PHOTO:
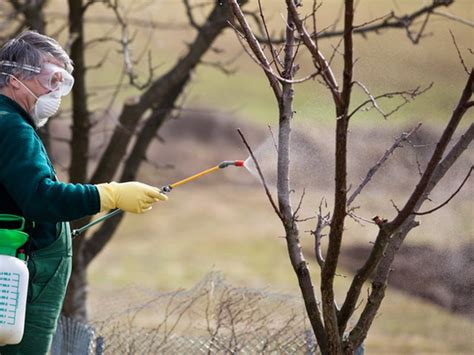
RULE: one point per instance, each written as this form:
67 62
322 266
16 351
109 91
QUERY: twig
449 199
371 98
89 3
273 138
406 95
459 53
418 165
335 51
323 222
272 50
255 46
358 218
316 7
416 40
125 42
455 18
394 205
379 163
392 21
219 66
295 217
380 18
189 13
319 60
262 178
100 63
340 12
256 19
267 65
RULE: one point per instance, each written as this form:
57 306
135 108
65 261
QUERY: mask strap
26 87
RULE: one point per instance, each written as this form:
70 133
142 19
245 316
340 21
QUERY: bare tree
140 118
329 320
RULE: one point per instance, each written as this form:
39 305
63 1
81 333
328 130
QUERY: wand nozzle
227 163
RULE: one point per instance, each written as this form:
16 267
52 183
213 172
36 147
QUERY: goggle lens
53 77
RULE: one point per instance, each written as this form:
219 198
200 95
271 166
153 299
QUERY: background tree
138 122
329 320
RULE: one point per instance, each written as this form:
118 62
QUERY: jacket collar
14 107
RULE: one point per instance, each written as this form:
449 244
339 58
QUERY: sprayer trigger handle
166 189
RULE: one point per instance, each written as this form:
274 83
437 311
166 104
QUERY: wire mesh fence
213 317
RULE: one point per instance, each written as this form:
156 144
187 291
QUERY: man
35 72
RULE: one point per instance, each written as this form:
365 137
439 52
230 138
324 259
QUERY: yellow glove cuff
107 196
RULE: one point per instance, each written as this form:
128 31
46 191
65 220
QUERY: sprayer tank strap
29 227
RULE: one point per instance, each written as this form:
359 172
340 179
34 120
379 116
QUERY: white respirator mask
45 107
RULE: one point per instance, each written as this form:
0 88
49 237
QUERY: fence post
72 337
310 342
99 346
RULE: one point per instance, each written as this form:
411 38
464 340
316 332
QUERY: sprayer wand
224 164
165 189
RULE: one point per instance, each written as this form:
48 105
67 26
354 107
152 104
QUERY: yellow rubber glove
131 196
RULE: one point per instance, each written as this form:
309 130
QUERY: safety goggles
55 78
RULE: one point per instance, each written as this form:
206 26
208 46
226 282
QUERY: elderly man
35 72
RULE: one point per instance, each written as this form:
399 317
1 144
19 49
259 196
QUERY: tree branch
323 222
359 332
260 174
456 117
102 236
255 47
449 199
392 20
454 18
348 55
403 137
318 58
295 252
407 97
189 13
361 276
270 43
340 197
459 52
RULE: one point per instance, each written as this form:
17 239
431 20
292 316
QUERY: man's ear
13 82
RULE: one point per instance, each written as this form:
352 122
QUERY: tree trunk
34 19
75 303
73 306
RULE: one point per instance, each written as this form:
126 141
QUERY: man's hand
131 196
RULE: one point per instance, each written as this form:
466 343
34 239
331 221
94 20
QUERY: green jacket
28 183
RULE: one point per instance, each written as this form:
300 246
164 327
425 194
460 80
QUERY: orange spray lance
165 189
